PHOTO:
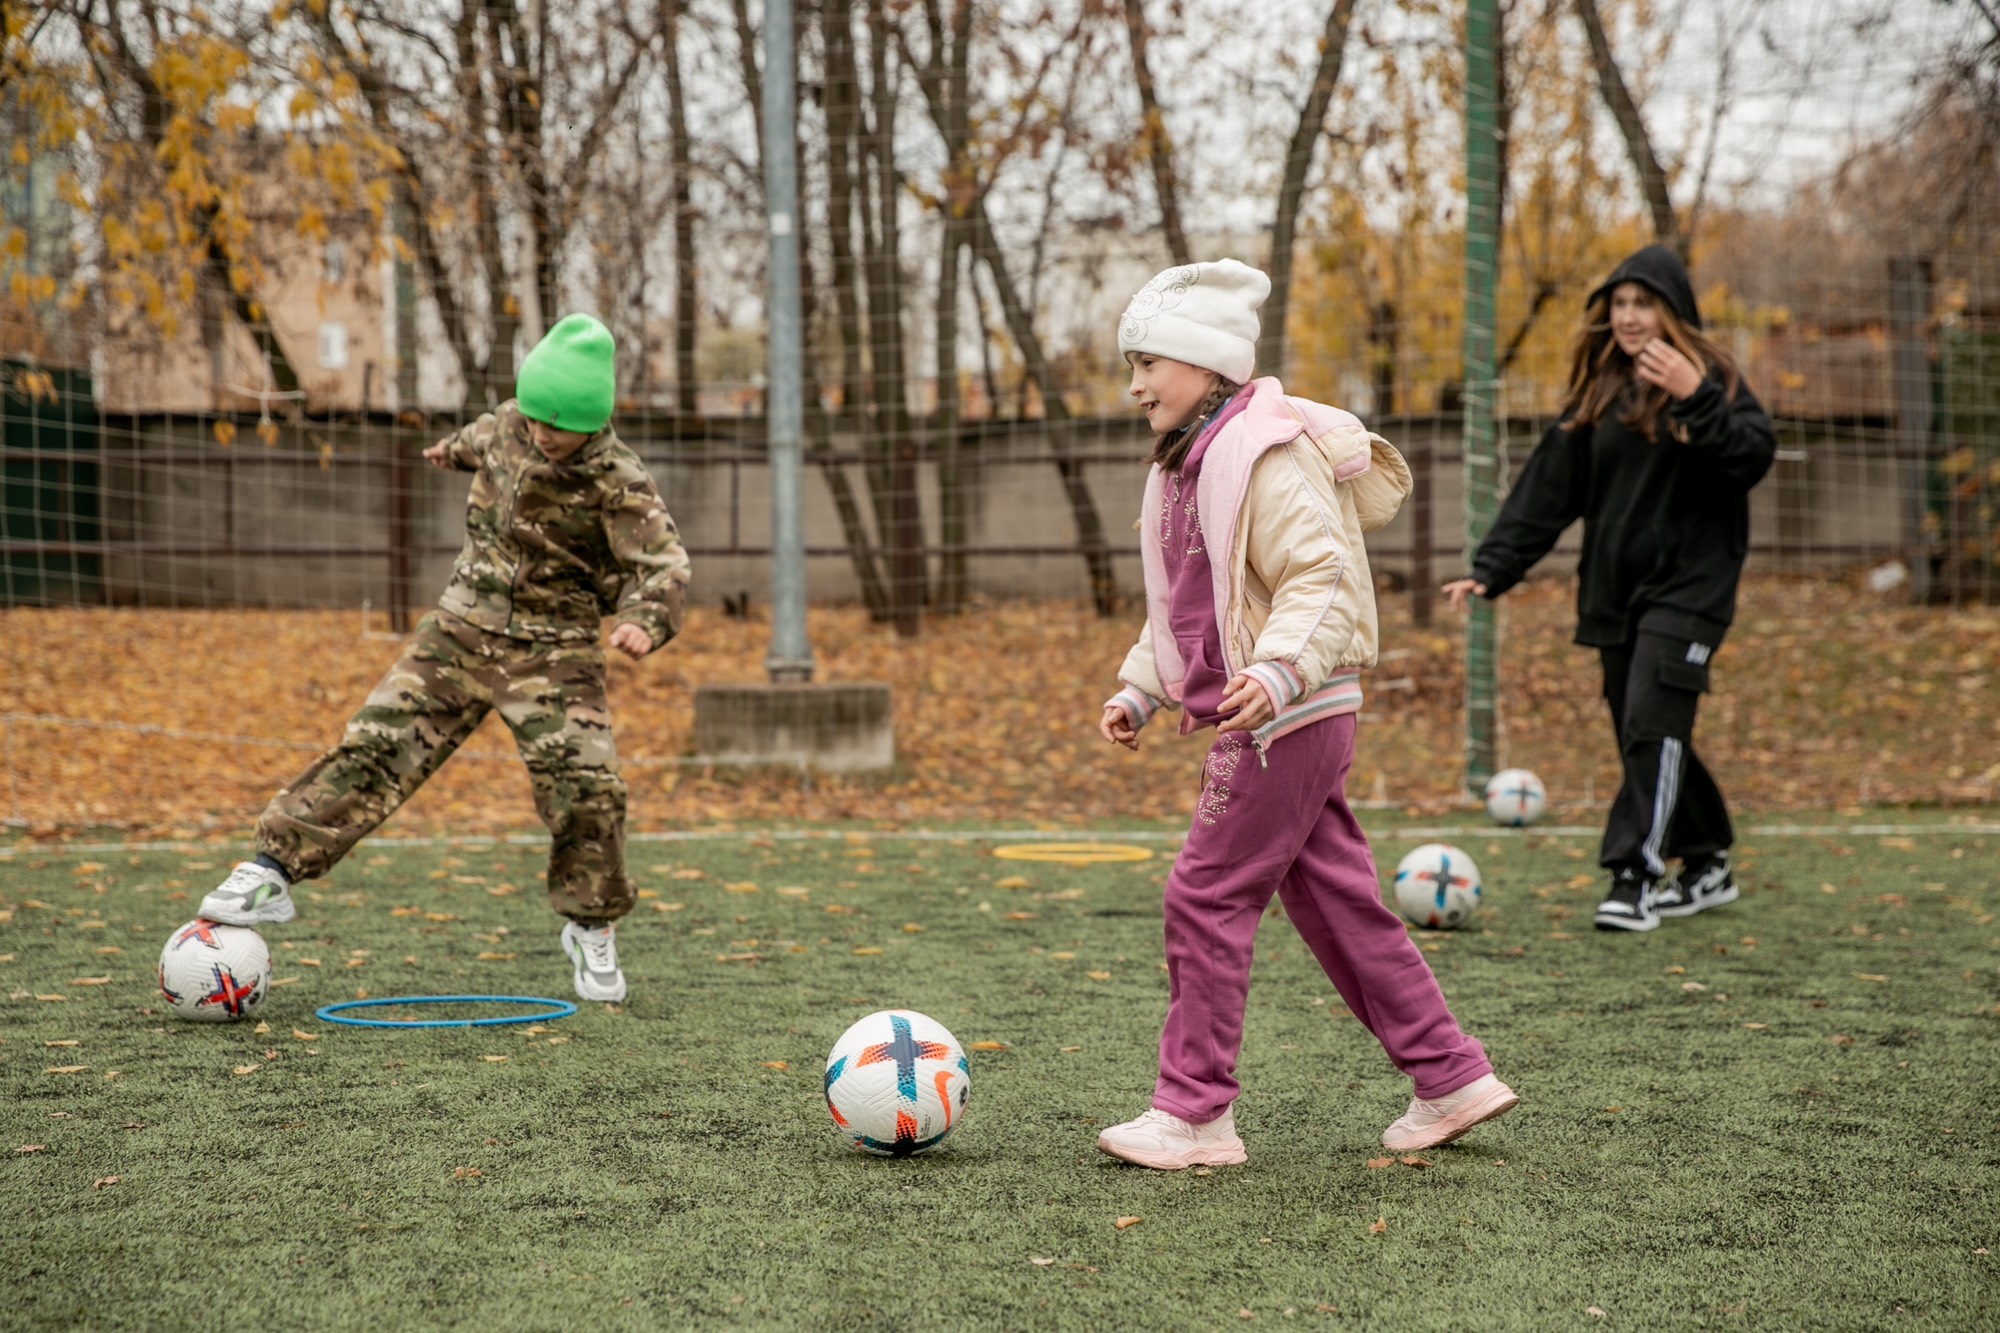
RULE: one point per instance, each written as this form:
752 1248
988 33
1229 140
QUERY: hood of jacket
1660 271
1361 464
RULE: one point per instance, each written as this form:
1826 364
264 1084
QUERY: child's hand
1117 728
1460 590
632 641
1661 363
439 455
1249 706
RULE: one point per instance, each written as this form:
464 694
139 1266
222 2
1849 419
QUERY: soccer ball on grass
896 1083
1515 797
214 973
1437 887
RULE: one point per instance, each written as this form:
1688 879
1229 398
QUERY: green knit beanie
568 380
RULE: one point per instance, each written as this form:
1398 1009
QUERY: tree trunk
1638 145
1291 190
686 311
1021 325
952 70
903 525
1158 144
843 133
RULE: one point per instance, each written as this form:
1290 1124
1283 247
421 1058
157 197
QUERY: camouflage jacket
550 548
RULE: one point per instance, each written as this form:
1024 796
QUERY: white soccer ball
1515 797
1437 887
214 973
896 1083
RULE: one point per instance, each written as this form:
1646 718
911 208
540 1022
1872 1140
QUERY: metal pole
1482 457
791 656
1910 368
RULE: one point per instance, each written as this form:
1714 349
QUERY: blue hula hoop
332 1013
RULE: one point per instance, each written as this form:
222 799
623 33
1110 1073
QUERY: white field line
1422 833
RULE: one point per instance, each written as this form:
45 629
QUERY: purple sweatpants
1287 829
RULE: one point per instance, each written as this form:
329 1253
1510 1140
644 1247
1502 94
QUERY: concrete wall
321 496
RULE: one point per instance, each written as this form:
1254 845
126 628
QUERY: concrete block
843 728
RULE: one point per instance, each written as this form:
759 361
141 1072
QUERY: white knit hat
1203 314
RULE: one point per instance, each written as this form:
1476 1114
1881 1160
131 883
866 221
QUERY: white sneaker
1166 1142
1428 1124
595 953
252 895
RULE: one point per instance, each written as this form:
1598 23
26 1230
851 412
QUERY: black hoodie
1666 524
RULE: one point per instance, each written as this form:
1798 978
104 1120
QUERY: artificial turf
1781 1114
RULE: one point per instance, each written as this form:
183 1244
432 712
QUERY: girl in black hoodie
1658 445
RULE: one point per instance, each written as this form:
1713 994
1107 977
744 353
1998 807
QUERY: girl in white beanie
1260 616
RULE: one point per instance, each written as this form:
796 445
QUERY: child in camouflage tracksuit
564 526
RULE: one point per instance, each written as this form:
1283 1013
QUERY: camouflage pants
552 697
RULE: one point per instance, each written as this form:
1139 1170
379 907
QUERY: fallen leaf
742 886
912 928
1593 1312
777 1064
1063 957
72 1041
1417 1162
1011 882
1071 1050
1692 985
242 1070
1870 976
308 962
1900 844
689 872
53 999
987 1046
867 951
32 1147
304 1036
795 891
1377 1163
102 1181
66 1069
107 949
1841 1040
1614 1110
466 1173
1378 1226
261 1028
1098 976
1020 916
90 981
1040 1263
1245 1312
494 1059
1127 1222
1756 1027
488 956
1677 971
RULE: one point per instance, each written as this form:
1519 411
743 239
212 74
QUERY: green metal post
1482 455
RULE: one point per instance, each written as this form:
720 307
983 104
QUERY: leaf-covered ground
1777 1115
1826 697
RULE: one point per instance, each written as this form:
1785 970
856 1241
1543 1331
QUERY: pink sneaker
1427 1124
1166 1142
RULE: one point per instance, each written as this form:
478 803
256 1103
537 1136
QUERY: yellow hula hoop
1073 853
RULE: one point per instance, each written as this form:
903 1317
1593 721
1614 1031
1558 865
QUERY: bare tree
1155 142
1638 144
1292 187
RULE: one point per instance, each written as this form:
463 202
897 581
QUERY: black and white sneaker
1629 905
1704 882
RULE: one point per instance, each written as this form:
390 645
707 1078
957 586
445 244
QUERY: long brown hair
1170 450
1600 372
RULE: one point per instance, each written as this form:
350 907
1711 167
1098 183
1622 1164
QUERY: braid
1171 449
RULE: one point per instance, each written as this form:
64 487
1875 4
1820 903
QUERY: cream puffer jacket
1287 490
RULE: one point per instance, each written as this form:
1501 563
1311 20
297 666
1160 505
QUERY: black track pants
1668 805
